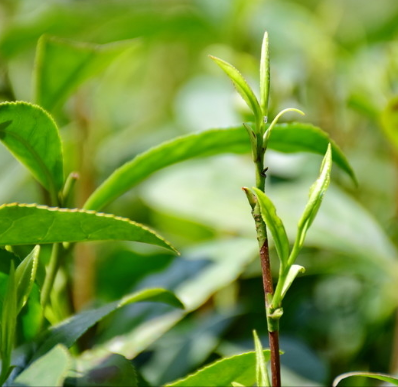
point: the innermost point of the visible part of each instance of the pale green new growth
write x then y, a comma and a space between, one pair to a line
370, 375
264, 75
242, 87
262, 376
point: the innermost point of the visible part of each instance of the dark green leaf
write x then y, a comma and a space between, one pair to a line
62, 65
70, 330
286, 138
371, 375
109, 370
31, 135
240, 369
49, 370
25, 277
24, 224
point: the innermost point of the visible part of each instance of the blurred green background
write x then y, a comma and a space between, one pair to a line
337, 60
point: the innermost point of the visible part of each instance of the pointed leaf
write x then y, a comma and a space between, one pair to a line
62, 65
286, 138
49, 370
202, 144
317, 191
275, 225
25, 224
31, 135
261, 365
239, 369
371, 375
25, 277
70, 330
291, 276
241, 86
264, 75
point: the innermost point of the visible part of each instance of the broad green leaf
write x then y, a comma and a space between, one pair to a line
286, 138
31, 135
317, 191
241, 86
24, 224
108, 370
264, 75
239, 369
261, 365
70, 330
206, 143
293, 272
275, 225
371, 375
62, 65
49, 370
25, 275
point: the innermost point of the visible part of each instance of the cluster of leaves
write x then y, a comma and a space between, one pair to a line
62, 66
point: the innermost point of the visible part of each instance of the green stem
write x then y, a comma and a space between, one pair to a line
50, 278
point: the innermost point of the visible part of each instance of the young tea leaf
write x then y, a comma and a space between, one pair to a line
293, 272
240, 369
63, 65
25, 224
371, 375
261, 365
25, 277
48, 370
70, 330
241, 86
275, 225
31, 135
264, 75
317, 191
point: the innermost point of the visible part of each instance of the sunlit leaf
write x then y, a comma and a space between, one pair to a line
31, 135
239, 369
275, 225
264, 74
371, 375
287, 138
48, 370
241, 86
62, 65
70, 330
23, 224
25, 275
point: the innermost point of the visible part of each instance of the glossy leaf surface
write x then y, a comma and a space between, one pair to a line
240, 369
261, 365
31, 135
70, 330
49, 370
293, 272
23, 224
62, 65
286, 138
